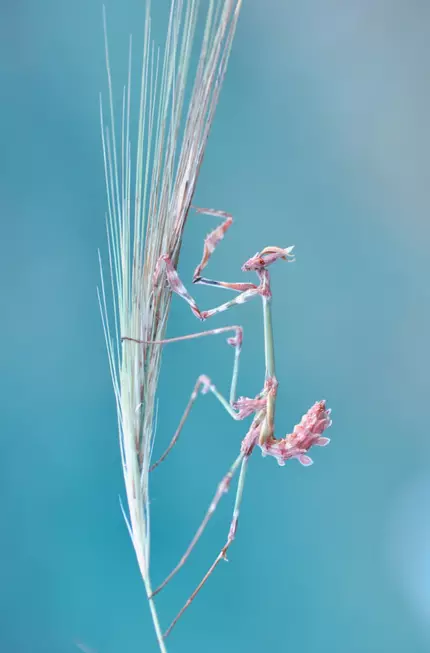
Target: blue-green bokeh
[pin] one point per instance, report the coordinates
(321, 140)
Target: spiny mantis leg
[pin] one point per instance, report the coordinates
(212, 239)
(247, 291)
(221, 489)
(222, 554)
(236, 342)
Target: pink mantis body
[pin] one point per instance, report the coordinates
(261, 432)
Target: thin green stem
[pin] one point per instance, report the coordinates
(155, 619)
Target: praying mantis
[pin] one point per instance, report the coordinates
(261, 431)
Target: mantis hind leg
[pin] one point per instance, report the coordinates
(243, 461)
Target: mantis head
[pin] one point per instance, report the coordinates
(267, 256)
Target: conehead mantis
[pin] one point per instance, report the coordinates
(261, 431)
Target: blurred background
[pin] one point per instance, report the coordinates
(321, 140)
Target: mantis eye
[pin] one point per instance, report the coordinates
(261, 261)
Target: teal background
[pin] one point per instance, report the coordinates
(321, 140)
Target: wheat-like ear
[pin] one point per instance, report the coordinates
(150, 185)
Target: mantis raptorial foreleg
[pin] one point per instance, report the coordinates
(212, 239)
(247, 291)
